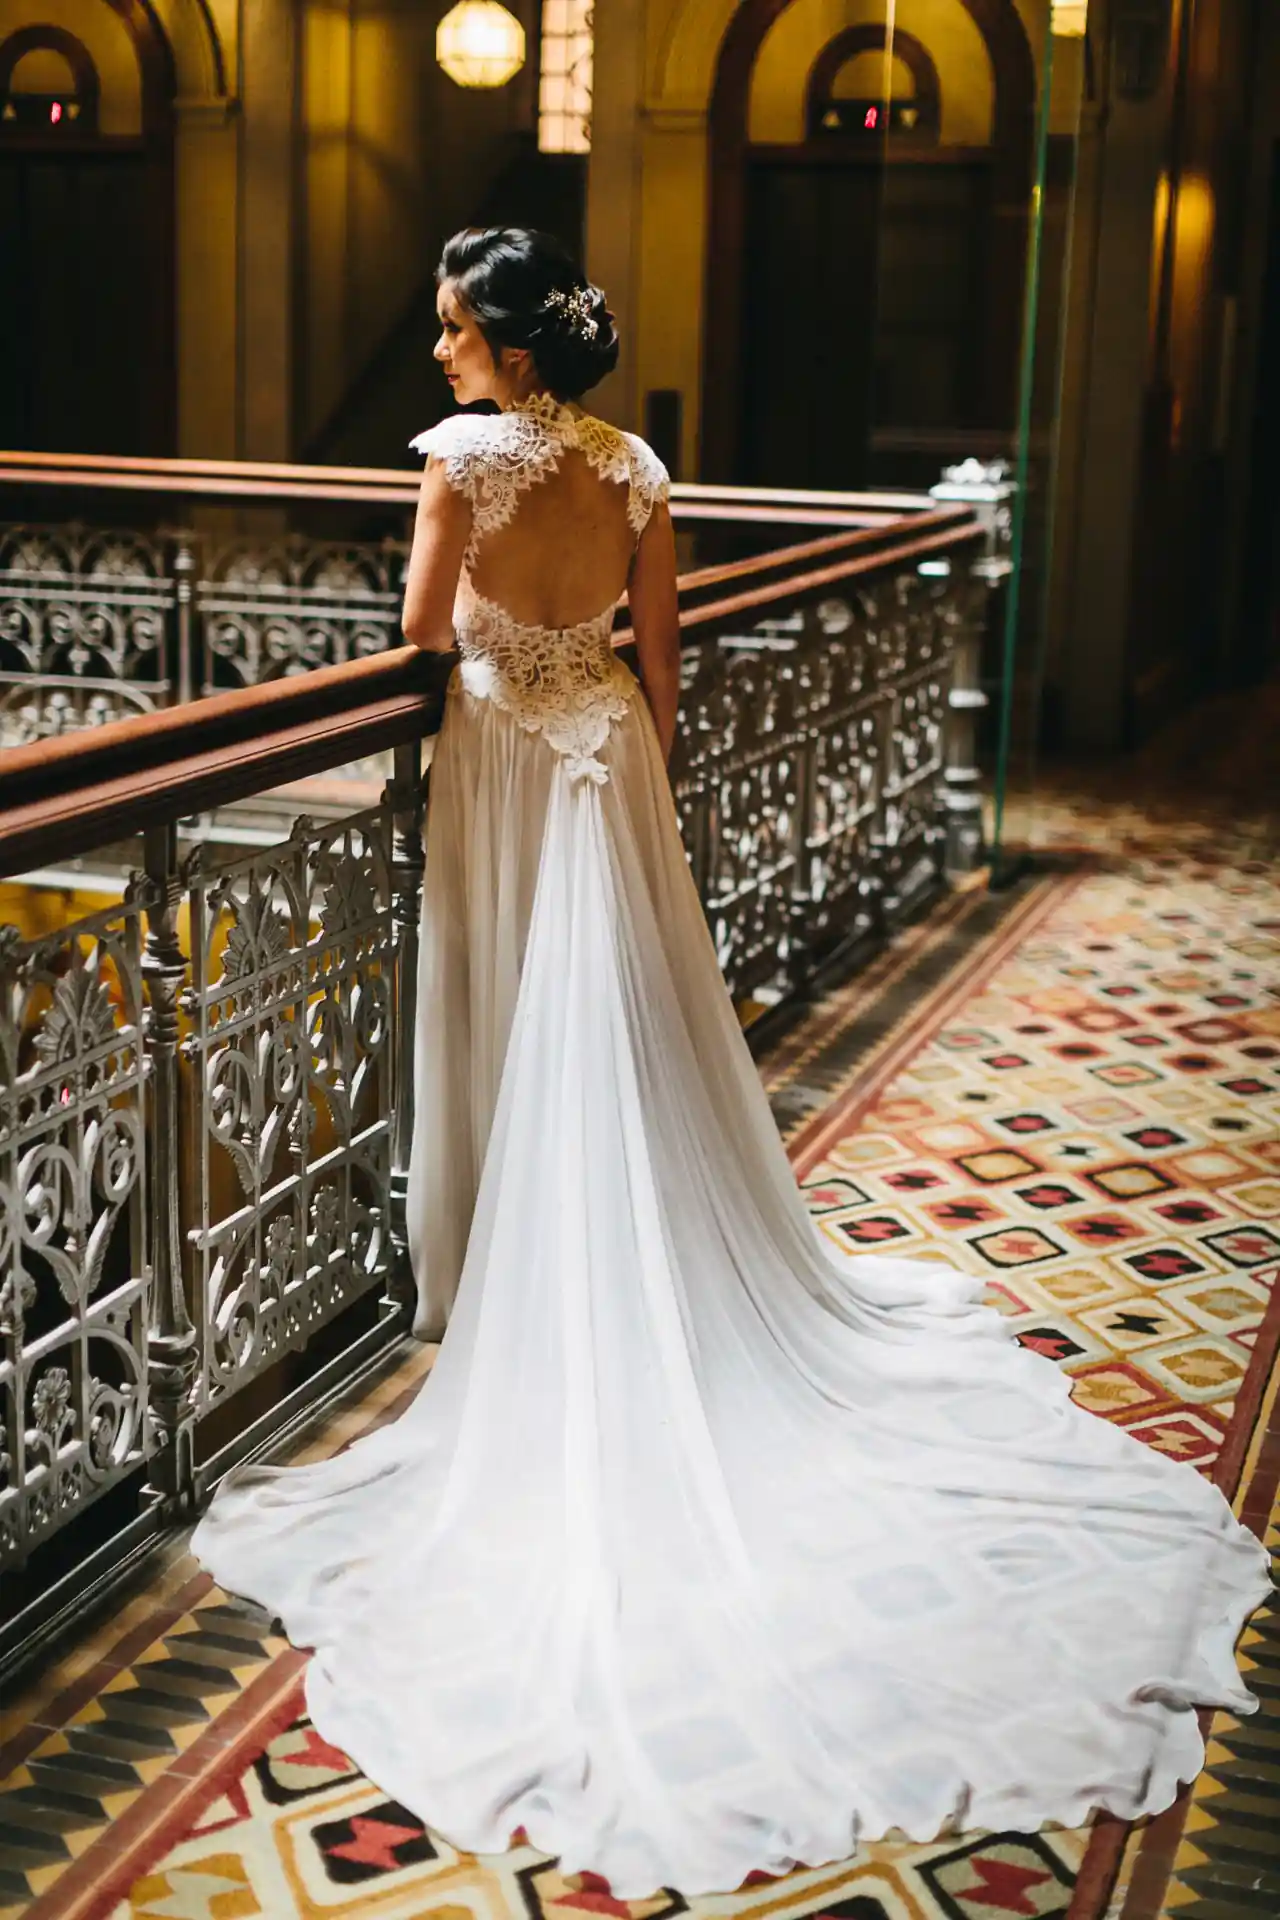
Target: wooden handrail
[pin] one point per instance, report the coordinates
(778, 558)
(217, 722)
(283, 481)
(804, 586)
(64, 796)
(703, 620)
(114, 809)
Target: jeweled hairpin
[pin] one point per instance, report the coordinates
(576, 307)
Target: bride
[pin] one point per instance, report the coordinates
(702, 1550)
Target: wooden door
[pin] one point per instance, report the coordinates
(865, 297)
(79, 323)
(809, 301)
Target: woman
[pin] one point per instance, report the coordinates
(702, 1550)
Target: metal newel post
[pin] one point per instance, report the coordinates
(989, 491)
(172, 1340)
(802, 906)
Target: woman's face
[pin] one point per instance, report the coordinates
(463, 352)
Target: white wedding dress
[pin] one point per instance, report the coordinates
(702, 1549)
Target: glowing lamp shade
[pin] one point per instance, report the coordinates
(480, 44)
(1069, 18)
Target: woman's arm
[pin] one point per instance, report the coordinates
(440, 536)
(655, 622)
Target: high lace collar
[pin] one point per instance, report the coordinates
(561, 415)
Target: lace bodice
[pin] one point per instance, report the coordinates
(564, 683)
(494, 458)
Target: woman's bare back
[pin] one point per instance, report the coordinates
(565, 555)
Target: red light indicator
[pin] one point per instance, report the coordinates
(55, 112)
(871, 119)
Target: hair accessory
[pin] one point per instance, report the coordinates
(576, 308)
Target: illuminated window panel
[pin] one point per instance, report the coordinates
(564, 81)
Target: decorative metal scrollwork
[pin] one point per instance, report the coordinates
(73, 1262)
(808, 770)
(291, 1014)
(85, 617)
(271, 610)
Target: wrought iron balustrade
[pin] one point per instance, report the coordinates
(206, 1081)
(98, 623)
(87, 628)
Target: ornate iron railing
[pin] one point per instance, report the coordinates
(811, 774)
(76, 1259)
(96, 626)
(87, 628)
(206, 1083)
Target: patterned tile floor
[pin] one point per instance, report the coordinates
(1098, 1134)
(1073, 1090)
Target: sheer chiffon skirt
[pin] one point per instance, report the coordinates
(703, 1549)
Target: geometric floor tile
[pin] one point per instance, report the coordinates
(1208, 1167)
(965, 1210)
(998, 1875)
(1059, 1338)
(1246, 1246)
(1143, 1320)
(1183, 1433)
(1102, 1230)
(1049, 1196)
(1260, 1199)
(1162, 1266)
(866, 1231)
(864, 1151)
(1015, 1246)
(1129, 1180)
(1197, 1369)
(1081, 1138)
(1116, 1387)
(1081, 1286)
(1190, 1212)
(991, 1166)
(217, 1887)
(833, 1193)
(1220, 1305)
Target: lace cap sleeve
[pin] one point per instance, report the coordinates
(650, 482)
(458, 443)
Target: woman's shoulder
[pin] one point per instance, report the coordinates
(628, 455)
(460, 435)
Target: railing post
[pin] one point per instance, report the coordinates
(800, 959)
(172, 1340)
(406, 794)
(989, 492)
(184, 567)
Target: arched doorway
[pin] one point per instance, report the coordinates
(86, 232)
(864, 277)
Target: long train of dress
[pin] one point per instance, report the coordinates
(703, 1550)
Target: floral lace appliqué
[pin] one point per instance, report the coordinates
(565, 683)
(494, 458)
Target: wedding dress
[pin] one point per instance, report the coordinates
(702, 1549)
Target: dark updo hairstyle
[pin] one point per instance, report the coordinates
(525, 290)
